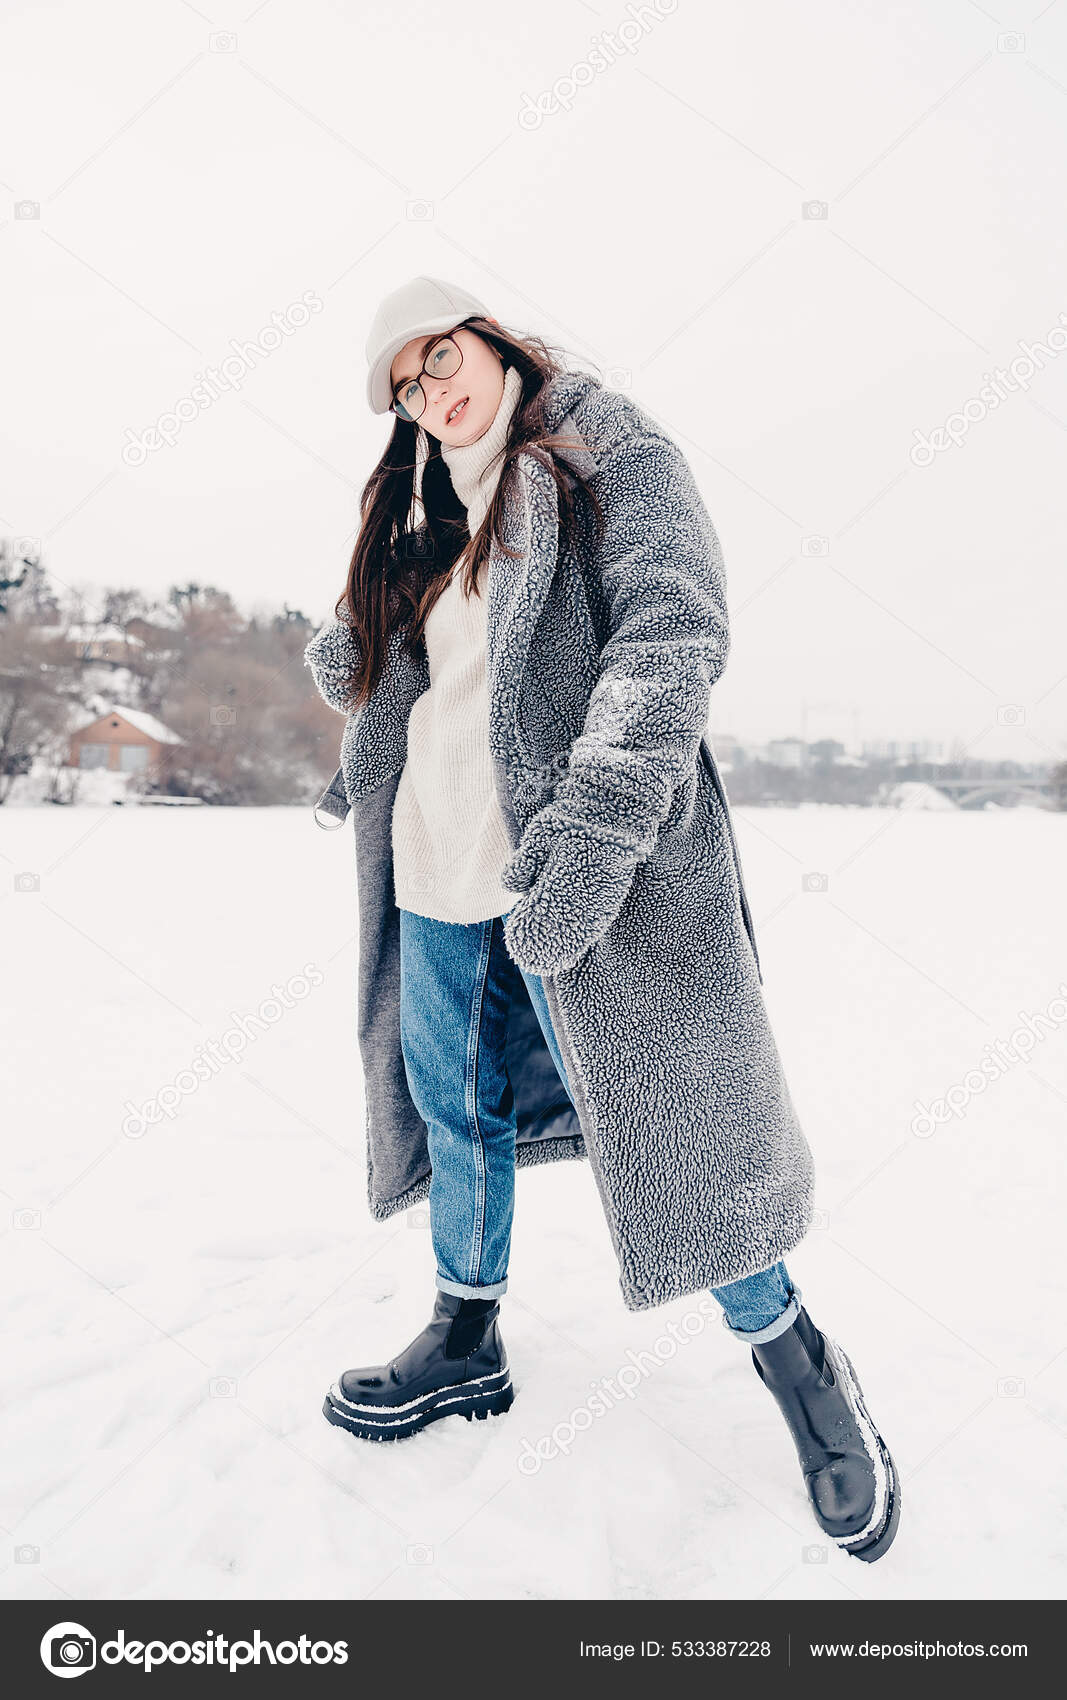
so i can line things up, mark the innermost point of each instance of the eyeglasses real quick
(443, 360)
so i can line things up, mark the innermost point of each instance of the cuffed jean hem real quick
(493, 1291)
(756, 1336)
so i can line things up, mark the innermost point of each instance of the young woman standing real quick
(556, 952)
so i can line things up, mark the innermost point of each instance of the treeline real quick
(232, 686)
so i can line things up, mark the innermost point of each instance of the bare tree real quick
(35, 699)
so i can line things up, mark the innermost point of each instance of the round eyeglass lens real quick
(409, 401)
(444, 359)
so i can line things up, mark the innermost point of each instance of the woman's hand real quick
(573, 884)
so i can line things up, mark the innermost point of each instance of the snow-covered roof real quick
(91, 634)
(146, 723)
(102, 634)
(149, 724)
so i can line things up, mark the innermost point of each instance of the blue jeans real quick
(456, 985)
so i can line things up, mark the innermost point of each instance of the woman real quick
(556, 952)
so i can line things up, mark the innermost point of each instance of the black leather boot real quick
(457, 1366)
(851, 1479)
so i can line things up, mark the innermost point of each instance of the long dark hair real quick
(400, 568)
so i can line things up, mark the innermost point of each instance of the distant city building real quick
(894, 749)
(786, 752)
(729, 751)
(826, 750)
(794, 753)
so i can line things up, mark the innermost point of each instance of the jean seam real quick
(471, 1092)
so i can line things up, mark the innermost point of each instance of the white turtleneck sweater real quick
(450, 842)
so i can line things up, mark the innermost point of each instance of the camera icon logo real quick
(420, 210)
(815, 546)
(68, 1649)
(815, 882)
(27, 209)
(222, 715)
(815, 209)
(1011, 714)
(27, 882)
(223, 41)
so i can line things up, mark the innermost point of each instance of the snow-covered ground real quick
(180, 1295)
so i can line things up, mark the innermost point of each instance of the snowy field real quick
(180, 1295)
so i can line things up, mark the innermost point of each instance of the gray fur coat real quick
(632, 907)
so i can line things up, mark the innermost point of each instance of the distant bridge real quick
(968, 792)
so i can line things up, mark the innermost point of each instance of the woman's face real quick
(478, 385)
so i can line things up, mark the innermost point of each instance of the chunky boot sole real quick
(877, 1536)
(489, 1395)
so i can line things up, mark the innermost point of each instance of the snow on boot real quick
(457, 1366)
(851, 1479)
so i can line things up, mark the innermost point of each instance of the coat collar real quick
(563, 394)
(519, 586)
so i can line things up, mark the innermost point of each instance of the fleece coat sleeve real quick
(660, 566)
(333, 655)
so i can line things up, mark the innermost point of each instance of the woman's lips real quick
(452, 418)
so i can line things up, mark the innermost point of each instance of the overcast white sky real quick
(199, 169)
